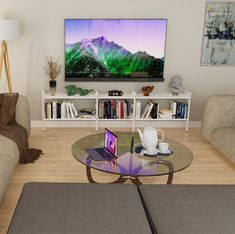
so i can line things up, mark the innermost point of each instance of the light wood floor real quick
(58, 165)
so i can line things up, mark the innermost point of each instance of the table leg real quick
(89, 176)
(170, 178)
(171, 168)
(120, 180)
(136, 181)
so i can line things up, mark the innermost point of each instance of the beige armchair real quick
(9, 154)
(218, 123)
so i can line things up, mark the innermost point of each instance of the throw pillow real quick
(7, 108)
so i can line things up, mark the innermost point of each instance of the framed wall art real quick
(218, 46)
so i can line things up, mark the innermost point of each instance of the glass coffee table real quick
(131, 165)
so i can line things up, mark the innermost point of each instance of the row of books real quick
(115, 109)
(179, 110)
(151, 109)
(66, 110)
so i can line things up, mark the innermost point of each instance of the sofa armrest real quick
(219, 112)
(23, 113)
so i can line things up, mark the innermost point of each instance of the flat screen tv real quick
(115, 49)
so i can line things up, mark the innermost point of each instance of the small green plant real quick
(72, 90)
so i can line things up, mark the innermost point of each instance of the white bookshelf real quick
(133, 96)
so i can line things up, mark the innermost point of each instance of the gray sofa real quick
(218, 123)
(70, 208)
(9, 154)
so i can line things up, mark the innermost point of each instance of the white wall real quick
(43, 34)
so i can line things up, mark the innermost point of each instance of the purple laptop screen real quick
(111, 142)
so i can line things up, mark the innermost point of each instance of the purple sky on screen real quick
(133, 35)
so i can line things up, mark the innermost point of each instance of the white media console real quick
(164, 100)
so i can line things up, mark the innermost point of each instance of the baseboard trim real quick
(116, 124)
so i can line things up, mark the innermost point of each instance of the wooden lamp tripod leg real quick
(4, 60)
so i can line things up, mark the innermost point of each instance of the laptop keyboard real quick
(99, 154)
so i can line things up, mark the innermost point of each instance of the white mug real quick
(163, 147)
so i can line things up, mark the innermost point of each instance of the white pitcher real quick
(149, 137)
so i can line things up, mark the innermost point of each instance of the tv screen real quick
(115, 49)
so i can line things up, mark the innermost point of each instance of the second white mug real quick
(163, 147)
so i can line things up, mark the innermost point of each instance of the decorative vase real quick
(52, 84)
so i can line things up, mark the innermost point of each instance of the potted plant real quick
(53, 70)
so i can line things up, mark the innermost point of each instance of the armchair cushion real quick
(218, 123)
(219, 112)
(223, 139)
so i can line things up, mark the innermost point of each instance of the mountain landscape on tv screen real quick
(98, 58)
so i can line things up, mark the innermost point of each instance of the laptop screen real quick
(110, 142)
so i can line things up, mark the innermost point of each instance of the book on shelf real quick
(71, 112)
(155, 110)
(138, 110)
(63, 110)
(145, 111)
(114, 109)
(74, 110)
(58, 110)
(66, 110)
(173, 109)
(48, 110)
(149, 110)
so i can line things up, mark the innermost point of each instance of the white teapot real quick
(149, 137)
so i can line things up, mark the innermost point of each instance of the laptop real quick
(110, 149)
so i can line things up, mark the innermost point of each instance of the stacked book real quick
(87, 113)
(150, 110)
(115, 109)
(63, 110)
(179, 110)
(165, 113)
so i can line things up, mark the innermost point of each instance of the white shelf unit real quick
(63, 96)
(133, 96)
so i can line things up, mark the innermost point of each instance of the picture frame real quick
(218, 44)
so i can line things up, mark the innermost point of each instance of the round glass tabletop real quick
(132, 164)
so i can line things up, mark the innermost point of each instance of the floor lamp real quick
(9, 30)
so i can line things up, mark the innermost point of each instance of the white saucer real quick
(166, 152)
(156, 151)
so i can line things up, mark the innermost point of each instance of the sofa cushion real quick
(64, 208)
(6, 171)
(224, 140)
(194, 209)
(9, 157)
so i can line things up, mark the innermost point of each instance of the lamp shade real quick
(9, 29)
